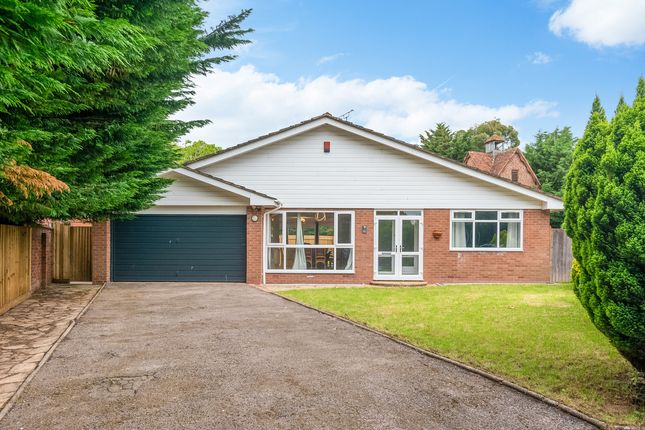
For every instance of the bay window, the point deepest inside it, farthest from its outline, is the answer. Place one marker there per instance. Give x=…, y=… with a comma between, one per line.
x=302, y=241
x=486, y=230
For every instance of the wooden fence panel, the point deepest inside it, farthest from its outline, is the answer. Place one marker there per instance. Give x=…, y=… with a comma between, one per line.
x=15, y=265
x=61, y=255
x=72, y=253
x=561, y=256
x=81, y=253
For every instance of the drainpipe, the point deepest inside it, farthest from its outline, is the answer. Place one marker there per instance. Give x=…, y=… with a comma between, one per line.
x=264, y=248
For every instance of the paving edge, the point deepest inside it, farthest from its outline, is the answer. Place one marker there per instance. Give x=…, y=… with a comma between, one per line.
x=567, y=409
x=12, y=401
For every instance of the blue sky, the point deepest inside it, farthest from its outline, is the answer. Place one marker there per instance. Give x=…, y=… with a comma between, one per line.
x=405, y=65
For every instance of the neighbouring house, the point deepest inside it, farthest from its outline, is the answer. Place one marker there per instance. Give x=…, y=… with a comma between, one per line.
x=500, y=160
x=327, y=201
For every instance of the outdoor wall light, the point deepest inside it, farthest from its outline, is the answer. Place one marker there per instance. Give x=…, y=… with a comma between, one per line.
x=254, y=218
x=364, y=229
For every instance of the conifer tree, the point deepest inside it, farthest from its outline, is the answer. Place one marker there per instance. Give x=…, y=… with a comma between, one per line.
x=45, y=45
x=605, y=217
x=438, y=139
x=104, y=129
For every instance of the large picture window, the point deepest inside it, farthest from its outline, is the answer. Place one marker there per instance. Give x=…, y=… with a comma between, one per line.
x=310, y=241
x=486, y=230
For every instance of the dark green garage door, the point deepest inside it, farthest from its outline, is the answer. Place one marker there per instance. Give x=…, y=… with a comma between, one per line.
x=179, y=248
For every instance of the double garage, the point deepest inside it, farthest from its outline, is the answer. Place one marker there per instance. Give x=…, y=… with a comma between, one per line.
x=179, y=248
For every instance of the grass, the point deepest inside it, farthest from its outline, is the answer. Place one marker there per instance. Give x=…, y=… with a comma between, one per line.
x=538, y=336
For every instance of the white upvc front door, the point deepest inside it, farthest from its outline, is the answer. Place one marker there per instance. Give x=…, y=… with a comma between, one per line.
x=398, y=245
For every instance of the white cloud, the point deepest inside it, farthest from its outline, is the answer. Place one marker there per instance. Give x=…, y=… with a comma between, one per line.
x=602, y=22
x=330, y=58
x=247, y=103
x=539, y=58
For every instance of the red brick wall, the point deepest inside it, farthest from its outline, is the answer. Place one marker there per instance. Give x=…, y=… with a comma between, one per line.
x=523, y=175
x=254, y=243
x=364, y=248
x=444, y=266
x=41, y=257
x=100, y=252
x=440, y=264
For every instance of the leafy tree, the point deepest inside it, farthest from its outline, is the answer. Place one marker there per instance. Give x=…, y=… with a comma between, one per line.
x=605, y=217
x=481, y=133
x=463, y=142
x=456, y=145
x=550, y=157
x=106, y=131
x=193, y=150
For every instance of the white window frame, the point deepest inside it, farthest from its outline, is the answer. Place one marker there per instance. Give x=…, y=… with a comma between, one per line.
x=378, y=216
x=498, y=221
x=284, y=245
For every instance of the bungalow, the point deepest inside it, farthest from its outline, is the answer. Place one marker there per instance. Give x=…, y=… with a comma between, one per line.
x=327, y=201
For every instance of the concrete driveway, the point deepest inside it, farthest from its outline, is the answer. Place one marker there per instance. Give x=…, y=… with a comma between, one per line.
x=186, y=356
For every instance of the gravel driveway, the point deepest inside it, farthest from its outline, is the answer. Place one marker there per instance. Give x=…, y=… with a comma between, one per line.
x=171, y=356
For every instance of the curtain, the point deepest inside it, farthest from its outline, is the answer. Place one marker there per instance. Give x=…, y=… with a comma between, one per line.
x=459, y=234
x=512, y=235
x=299, y=261
x=348, y=266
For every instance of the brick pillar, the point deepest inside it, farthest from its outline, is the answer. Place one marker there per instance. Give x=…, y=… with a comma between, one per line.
x=41, y=257
x=254, y=231
x=100, y=252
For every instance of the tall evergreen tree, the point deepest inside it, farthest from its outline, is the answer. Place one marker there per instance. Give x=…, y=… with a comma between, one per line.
x=437, y=140
x=116, y=135
x=605, y=217
x=579, y=199
x=45, y=46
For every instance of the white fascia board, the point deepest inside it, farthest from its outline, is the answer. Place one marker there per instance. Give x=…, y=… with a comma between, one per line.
x=254, y=199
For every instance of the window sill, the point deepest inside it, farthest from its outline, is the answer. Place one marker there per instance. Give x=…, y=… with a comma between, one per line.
x=313, y=272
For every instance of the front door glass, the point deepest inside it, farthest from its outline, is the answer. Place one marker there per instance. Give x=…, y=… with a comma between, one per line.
x=409, y=246
x=399, y=246
x=386, y=246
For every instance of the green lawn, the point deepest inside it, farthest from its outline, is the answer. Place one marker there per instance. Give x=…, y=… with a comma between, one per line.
x=535, y=335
